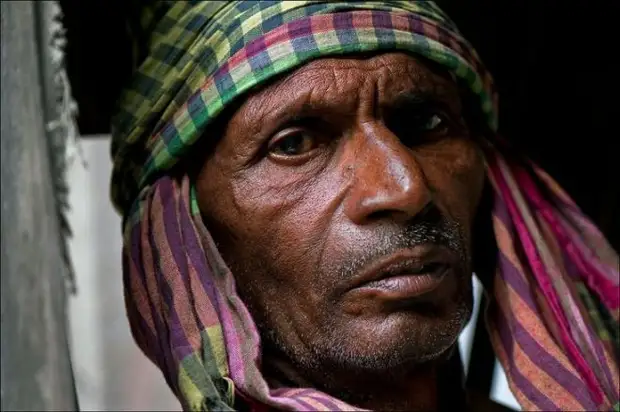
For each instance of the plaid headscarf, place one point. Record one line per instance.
(554, 307)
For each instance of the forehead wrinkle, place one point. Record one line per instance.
(268, 103)
(307, 73)
(421, 80)
(424, 86)
(304, 89)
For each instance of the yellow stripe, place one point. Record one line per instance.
(216, 339)
(191, 393)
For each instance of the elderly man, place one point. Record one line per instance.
(307, 187)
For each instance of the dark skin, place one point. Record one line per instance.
(319, 180)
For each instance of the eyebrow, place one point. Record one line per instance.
(420, 97)
(414, 98)
(412, 101)
(282, 117)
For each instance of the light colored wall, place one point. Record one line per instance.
(111, 372)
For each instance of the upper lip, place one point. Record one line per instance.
(423, 259)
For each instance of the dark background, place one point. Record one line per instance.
(554, 63)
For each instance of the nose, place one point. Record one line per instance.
(387, 180)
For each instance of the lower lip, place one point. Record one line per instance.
(406, 286)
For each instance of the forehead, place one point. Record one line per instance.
(339, 81)
(395, 66)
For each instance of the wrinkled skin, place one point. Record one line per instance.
(321, 174)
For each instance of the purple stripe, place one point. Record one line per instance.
(415, 25)
(532, 348)
(549, 364)
(382, 21)
(513, 277)
(304, 393)
(255, 47)
(232, 339)
(147, 336)
(299, 28)
(598, 347)
(527, 387)
(304, 406)
(545, 280)
(281, 397)
(500, 210)
(324, 400)
(197, 255)
(343, 21)
(444, 37)
(199, 260)
(179, 340)
(220, 72)
(510, 273)
(168, 133)
(553, 367)
(571, 268)
(163, 326)
(158, 344)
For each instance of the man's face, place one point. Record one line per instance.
(342, 198)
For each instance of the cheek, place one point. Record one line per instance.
(278, 244)
(281, 213)
(290, 202)
(455, 172)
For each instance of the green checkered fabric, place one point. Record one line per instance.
(198, 62)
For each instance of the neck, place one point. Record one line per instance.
(432, 386)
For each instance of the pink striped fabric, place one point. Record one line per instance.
(544, 336)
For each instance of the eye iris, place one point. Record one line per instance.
(432, 122)
(290, 144)
(293, 144)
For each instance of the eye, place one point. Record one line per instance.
(292, 142)
(431, 122)
(420, 126)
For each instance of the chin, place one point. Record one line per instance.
(399, 340)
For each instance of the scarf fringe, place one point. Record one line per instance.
(63, 134)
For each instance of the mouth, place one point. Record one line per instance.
(407, 274)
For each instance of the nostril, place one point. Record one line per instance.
(429, 213)
(381, 209)
(381, 215)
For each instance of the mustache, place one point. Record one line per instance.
(432, 228)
